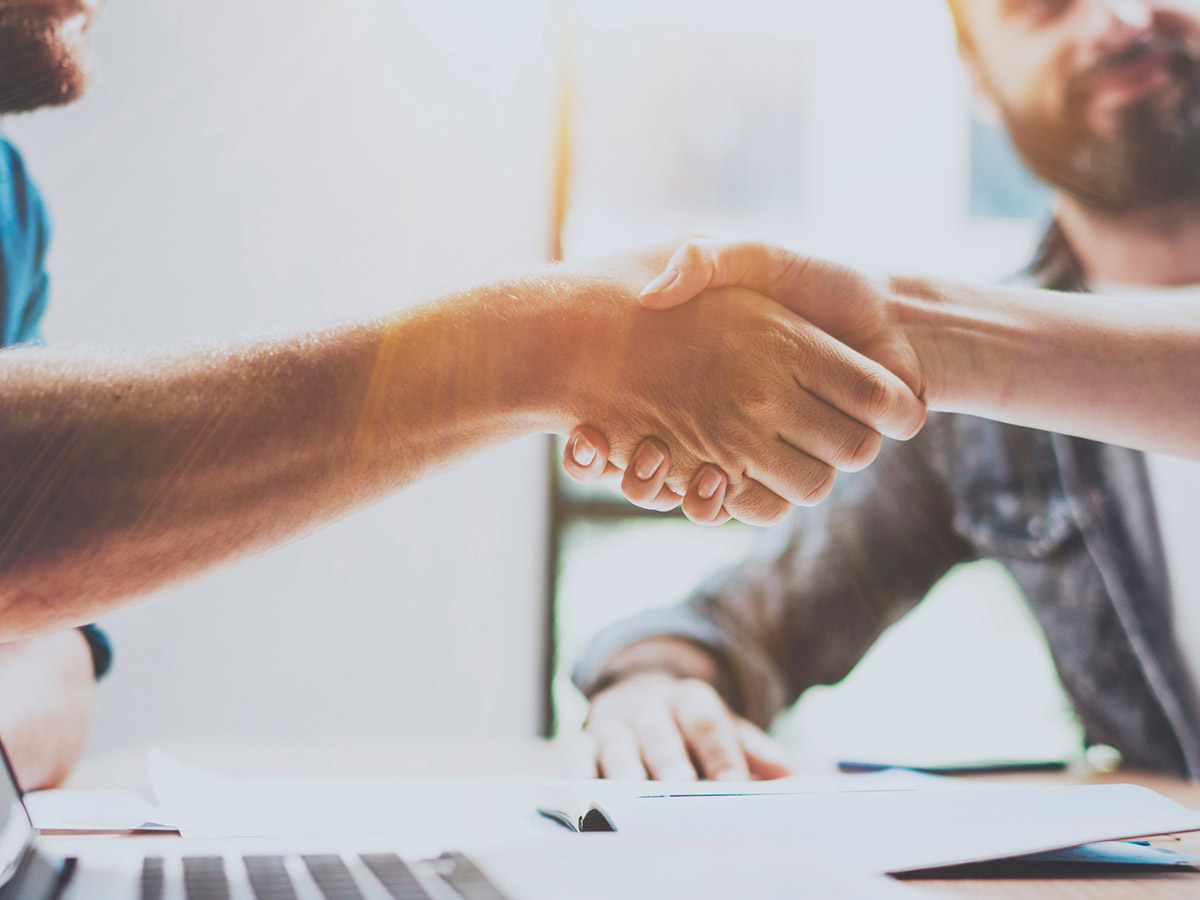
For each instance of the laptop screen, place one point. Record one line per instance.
(16, 830)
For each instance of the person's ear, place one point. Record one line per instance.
(983, 99)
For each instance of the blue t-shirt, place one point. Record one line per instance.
(24, 237)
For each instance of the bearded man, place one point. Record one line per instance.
(1102, 99)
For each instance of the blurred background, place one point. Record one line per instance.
(243, 166)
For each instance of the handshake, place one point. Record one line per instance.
(769, 371)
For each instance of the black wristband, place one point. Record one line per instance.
(101, 649)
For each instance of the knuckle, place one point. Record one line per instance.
(860, 447)
(775, 515)
(917, 423)
(718, 755)
(651, 722)
(695, 694)
(756, 398)
(757, 507)
(875, 396)
(791, 266)
(822, 484)
(694, 252)
(704, 729)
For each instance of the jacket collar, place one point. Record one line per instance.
(1055, 265)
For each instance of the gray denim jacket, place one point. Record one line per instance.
(1073, 520)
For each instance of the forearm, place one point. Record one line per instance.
(122, 472)
(1119, 371)
(48, 692)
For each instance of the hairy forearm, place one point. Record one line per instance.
(48, 693)
(1114, 370)
(122, 472)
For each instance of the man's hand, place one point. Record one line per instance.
(47, 700)
(726, 384)
(656, 725)
(843, 303)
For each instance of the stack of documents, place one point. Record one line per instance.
(890, 822)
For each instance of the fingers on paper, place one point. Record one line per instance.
(709, 730)
(764, 756)
(619, 754)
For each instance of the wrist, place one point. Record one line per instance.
(530, 330)
(921, 309)
(580, 329)
(663, 656)
(973, 342)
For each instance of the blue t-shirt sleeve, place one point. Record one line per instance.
(24, 239)
(101, 649)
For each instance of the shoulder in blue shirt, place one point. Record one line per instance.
(24, 237)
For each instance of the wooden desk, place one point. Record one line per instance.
(127, 769)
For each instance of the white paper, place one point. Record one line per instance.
(447, 811)
(604, 866)
(897, 825)
(91, 811)
(890, 822)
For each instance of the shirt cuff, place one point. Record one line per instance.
(589, 672)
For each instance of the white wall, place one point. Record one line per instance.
(261, 164)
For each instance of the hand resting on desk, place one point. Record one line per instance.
(660, 726)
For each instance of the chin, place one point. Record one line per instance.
(43, 55)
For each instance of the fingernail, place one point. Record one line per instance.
(709, 482)
(583, 452)
(731, 775)
(662, 282)
(648, 460)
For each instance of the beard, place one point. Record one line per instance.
(43, 60)
(1151, 157)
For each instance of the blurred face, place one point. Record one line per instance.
(1101, 97)
(43, 52)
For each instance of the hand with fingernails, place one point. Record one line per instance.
(845, 304)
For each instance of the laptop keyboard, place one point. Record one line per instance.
(205, 878)
(153, 881)
(269, 878)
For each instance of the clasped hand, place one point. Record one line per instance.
(831, 372)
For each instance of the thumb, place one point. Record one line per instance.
(710, 263)
(689, 271)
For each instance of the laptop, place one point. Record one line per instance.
(172, 868)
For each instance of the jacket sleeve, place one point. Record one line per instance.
(824, 586)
